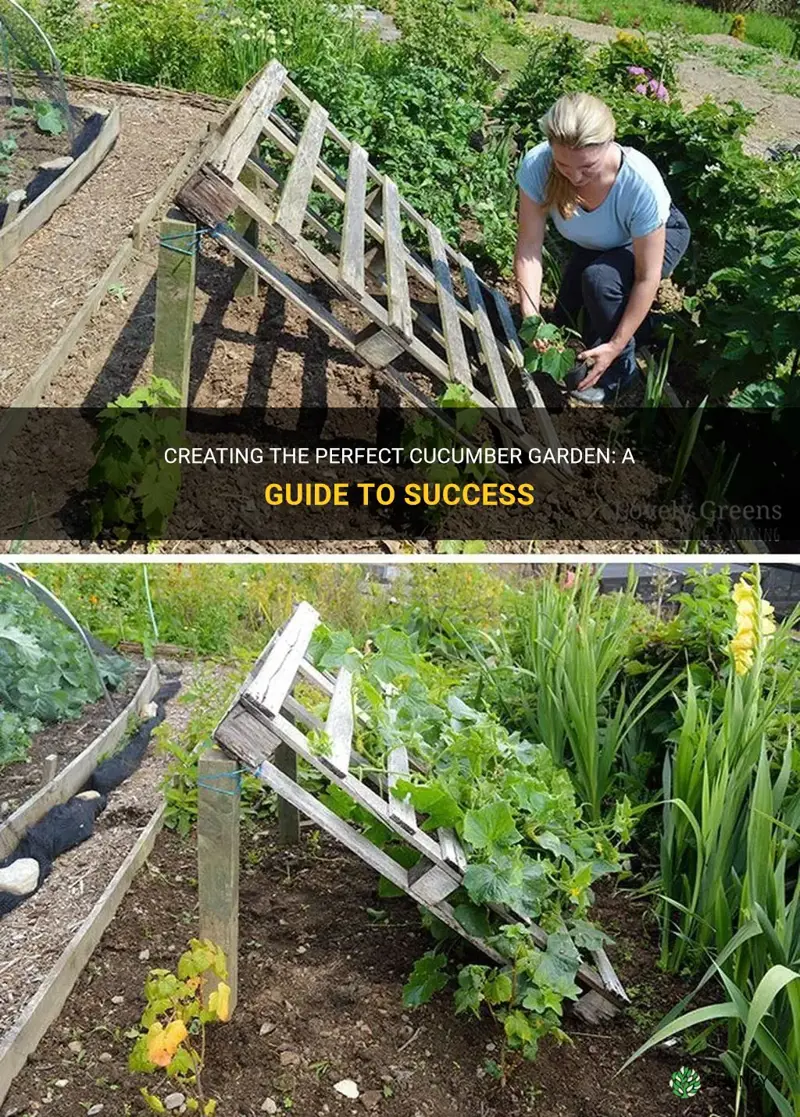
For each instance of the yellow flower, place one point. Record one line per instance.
(754, 623)
(162, 1043)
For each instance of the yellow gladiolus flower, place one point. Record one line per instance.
(162, 1043)
(754, 622)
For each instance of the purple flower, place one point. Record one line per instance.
(640, 89)
(635, 70)
(659, 89)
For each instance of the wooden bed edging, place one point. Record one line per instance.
(30, 219)
(71, 779)
(46, 1004)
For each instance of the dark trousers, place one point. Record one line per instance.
(601, 282)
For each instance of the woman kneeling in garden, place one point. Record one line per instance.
(613, 204)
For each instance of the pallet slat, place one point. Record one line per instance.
(450, 846)
(400, 318)
(351, 260)
(242, 135)
(448, 308)
(274, 680)
(299, 180)
(397, 769)
(339, 724)
(489, 347)
(429, 884)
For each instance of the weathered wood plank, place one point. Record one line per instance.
(218, 809)
(548, 431)
(275, 678)
(401, 810)
(72, 778)
(489, 347)
(396, 275)
(175, 295)
(240, 728)
(376, 347)
(609, 975)
(430, 884)
(288, 818)
(14, 203)
(452, 850)
(351, 259)
(242, 134)
(451, 324)
(294, 199)
(336, 827)
(24, 1036)
(339, 724)
(245, 278)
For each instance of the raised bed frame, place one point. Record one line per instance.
(69, 781)
(262, 732)
(43, 1009)
(22, 223)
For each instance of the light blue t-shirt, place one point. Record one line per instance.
(637, 203)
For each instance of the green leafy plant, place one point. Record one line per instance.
(8, 147)
(546, 348)
(46, 672)
(173, 1025)
(134, 489)
(49, 119)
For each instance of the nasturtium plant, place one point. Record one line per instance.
(172, 1028)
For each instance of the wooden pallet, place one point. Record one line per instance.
(266, 717)
(468, 341)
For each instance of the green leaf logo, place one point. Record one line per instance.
(685, 1083)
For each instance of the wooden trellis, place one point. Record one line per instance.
(471, 341)
(265, 730)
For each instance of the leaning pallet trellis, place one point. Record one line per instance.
(264, 730)
(473, 341)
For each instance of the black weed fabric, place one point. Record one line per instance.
(68, 824)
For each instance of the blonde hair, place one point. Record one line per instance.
(575, 120)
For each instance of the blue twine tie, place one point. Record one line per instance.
(238, 772)
(171, 242)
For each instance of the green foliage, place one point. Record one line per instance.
(8, 147)
(516, 815)
(610, 63)
(46, 672)
(134, 488)
(547, 349)
(556, 64)
(49, 119)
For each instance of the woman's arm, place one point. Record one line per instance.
(528, 256)
(648, 255)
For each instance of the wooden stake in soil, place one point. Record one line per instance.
(218, 801)
(288, 817)
(175, 296)
(49, 768)
(246, 278)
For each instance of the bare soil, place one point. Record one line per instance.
(32, 148)
(65, 740)
(778, 114)
(320, 999)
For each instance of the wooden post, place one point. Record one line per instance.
(49, 768)
(285, 760)
(218, 799)
(175, 293)
(245, 279)
(14, 202)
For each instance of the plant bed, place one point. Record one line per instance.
(320, 999)
(36, 133)
(65, 740)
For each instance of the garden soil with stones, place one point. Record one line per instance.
(778, 114)
(65, 739)
(320, 988)
(36, 932)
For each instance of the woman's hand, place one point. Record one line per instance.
(599, 359)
